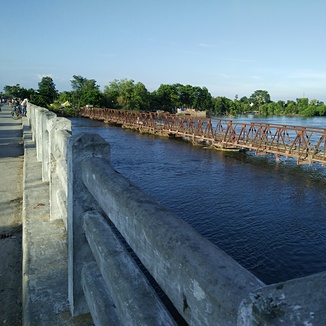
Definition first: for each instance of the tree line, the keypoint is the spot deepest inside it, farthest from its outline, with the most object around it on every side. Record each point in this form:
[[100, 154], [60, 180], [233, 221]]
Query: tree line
[[127, 95]]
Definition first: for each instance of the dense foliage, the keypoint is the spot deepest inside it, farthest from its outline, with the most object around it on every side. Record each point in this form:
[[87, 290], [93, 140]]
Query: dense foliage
[[128, 95]]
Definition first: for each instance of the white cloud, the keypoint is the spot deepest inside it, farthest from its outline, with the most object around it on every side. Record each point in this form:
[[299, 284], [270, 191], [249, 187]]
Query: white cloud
[[40, 76]]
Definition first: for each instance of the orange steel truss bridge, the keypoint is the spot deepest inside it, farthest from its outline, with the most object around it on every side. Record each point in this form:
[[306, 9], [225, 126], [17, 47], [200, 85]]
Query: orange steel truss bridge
[[305, 144]]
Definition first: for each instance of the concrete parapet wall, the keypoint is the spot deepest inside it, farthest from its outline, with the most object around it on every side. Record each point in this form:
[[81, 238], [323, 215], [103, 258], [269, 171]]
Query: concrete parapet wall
[[135, 301], [299, 301], [51, 135], [205, 285], [194, 273]]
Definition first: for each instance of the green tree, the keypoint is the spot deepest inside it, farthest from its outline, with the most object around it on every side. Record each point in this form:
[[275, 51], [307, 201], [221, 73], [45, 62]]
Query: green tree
[[202, 100], [85, 91], [167, 97], [140, 97], [239, 107], [39, 100], [258, 98], [91, 97], [47, 90], [279, 107], [302, 104], [112, 93], [16, 91], [321, 110], [222, 105], [244, 105], [65, 96], [290, 107], [314, 108], [79, 83], [125, 94], [187, 95]]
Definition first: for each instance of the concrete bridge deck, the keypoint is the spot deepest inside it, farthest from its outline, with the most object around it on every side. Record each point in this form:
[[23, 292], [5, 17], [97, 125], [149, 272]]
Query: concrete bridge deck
[[11, 172], [33, 250]]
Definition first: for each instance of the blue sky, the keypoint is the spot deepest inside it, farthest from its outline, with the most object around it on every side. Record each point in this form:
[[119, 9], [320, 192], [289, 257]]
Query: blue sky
[[232, 47]]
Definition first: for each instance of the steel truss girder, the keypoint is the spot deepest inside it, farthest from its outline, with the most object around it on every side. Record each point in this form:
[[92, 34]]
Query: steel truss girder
[[306, 144]]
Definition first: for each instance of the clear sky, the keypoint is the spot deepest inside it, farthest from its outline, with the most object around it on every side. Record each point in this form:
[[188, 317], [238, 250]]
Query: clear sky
[[232, 47]]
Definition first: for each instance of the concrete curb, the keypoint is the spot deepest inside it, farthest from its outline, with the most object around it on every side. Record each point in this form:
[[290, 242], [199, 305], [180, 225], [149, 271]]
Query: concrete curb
[[45, 276]]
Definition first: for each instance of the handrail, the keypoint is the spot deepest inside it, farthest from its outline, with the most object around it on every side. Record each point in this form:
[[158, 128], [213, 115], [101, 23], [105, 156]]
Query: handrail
[[51, 135], [192, 271]]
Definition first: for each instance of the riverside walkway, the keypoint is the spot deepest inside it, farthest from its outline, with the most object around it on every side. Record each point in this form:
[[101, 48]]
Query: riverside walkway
[[33, 250]]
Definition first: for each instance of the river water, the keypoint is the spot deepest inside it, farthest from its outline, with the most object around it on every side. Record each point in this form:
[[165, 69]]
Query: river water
[[269, 216]]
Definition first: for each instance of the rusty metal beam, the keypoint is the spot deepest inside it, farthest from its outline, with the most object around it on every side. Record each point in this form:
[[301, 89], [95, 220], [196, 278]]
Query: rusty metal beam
[[306, 144]]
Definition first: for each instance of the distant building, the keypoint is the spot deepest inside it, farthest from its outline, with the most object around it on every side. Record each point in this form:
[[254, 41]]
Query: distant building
[[191, 112]]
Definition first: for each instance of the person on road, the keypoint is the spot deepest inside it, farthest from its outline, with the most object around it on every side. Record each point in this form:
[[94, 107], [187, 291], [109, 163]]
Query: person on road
[[24, 106]]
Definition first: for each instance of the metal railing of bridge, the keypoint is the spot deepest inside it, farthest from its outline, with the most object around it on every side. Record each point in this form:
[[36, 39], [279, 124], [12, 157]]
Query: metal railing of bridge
[[305, 144]]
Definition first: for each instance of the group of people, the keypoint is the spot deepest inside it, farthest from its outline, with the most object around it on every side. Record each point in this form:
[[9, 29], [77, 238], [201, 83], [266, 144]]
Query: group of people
[[21, 105]]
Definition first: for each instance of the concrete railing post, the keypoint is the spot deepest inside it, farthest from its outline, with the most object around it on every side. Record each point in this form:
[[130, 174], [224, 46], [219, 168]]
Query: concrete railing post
[[80, 147], [38, 132], [31, 119], [28, 114], [299, 301], [47, 116], [59, 132]]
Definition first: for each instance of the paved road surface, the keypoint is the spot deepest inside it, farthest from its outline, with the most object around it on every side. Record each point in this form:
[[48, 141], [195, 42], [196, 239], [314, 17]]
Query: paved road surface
[[11, 174]]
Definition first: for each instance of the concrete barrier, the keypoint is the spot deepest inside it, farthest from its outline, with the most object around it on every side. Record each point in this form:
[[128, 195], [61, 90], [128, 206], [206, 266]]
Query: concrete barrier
[[51, 135], [104, 212]]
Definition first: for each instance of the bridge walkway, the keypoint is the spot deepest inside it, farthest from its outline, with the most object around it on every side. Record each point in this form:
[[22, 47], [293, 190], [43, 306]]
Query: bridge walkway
[[34, 277], [11, 173]]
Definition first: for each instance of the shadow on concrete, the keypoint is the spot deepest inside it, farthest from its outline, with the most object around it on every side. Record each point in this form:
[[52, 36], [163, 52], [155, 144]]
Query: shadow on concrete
[[11, 143], [11, 273], [9, 124]]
